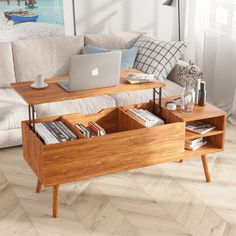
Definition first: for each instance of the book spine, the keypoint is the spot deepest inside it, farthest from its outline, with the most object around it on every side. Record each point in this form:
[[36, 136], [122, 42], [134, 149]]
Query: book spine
[[83, 130], [62, 131], [134, 113], [195, 141], [46, 135], [93, 128], [58, 132], [47, 126], [67, 130], [99, 128]]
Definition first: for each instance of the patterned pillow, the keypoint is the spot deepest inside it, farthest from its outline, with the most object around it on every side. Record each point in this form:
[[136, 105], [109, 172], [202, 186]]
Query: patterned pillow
[[158, 57]]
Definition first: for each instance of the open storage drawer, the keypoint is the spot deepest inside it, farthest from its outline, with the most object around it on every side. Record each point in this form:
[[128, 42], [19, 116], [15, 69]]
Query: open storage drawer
[[127, 145]]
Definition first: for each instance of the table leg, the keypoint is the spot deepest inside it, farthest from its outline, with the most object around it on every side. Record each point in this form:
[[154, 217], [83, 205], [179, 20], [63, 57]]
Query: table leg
[[38, 187], [31, 111], [160, 101], [55, 200], [154, 100], [206, 169]]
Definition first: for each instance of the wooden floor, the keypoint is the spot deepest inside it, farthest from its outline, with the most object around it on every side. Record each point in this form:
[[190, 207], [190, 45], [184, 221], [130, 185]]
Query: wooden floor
[[168, 199]]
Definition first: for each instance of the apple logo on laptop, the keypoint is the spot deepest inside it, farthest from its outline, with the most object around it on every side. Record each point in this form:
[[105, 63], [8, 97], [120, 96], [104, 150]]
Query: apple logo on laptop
[[95, 72]]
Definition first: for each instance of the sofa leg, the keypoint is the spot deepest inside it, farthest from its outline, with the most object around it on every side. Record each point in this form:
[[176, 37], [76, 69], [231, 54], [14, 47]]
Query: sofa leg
[[181, 160], [38, 187]]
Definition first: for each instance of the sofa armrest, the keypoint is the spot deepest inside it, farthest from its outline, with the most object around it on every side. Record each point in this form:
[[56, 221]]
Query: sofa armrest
[[185, 74]]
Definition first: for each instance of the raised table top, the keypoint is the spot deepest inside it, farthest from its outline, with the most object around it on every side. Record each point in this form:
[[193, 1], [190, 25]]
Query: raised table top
[[54, 93]]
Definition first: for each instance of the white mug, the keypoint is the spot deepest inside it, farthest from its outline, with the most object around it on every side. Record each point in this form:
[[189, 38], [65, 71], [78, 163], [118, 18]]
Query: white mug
[[39, 80]]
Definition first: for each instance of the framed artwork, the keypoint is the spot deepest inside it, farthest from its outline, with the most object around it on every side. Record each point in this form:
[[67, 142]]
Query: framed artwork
[[20, 19]]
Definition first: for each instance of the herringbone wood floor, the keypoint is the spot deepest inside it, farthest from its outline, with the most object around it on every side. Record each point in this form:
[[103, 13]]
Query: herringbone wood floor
[[167, 199]]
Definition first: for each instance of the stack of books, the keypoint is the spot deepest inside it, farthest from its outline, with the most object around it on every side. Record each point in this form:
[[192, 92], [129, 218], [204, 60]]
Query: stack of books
[[54, 132], [195, 144], [199, 127], [146, 116], [92, 130]]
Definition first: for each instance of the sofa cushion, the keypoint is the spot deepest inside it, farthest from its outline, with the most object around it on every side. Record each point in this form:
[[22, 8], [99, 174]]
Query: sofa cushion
[[7, 73], [113, 41], [10, 138], [12, 109], [142, 96], [158, 57], [49, 56], [84, 106], [127, 58]]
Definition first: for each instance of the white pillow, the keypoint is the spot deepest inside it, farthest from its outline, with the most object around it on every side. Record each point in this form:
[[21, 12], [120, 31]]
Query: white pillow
[[158, 57], [121, 40], [7, 72]]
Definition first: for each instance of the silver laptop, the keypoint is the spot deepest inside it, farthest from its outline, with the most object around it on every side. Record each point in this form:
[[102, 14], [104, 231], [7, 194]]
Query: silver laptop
[[89, 71]]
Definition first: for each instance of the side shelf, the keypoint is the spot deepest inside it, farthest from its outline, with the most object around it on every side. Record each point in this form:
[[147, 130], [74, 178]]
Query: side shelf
[[208, 114]]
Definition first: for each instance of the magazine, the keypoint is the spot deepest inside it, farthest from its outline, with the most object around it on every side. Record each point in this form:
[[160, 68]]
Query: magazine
[[199, 127]]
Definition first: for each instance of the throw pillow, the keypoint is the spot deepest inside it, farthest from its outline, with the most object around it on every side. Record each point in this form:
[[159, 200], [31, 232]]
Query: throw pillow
[[127, 58], [158, 57], [186, 74]]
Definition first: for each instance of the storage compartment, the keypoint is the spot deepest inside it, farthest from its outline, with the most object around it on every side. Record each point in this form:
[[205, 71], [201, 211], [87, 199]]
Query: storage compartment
[[111, 120], [127, 145]]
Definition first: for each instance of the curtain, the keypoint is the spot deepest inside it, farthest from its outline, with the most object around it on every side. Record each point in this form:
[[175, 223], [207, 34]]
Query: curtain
[[210, 27]]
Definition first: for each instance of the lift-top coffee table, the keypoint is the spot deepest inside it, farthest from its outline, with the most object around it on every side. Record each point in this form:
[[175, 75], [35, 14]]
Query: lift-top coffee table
[[127, 145]]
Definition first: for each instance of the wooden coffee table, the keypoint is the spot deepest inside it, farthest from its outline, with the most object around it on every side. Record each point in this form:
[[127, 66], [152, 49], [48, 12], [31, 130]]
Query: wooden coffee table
[[127, 145]]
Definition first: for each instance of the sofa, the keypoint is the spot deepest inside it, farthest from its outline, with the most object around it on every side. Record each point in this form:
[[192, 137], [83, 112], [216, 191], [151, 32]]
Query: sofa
[[23, 59]]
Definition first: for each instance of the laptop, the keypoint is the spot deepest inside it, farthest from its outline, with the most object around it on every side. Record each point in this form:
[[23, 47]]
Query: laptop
[[90, 71]]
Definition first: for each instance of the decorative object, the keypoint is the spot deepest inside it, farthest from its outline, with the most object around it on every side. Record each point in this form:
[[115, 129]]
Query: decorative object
[[158, 57], [202, 94], [39, 82], [171, 3], [31, 19], [196, 89], [188, 75], [187, 100], [171, 106]]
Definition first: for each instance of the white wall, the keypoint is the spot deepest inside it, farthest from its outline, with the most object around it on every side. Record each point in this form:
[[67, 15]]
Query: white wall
[[110, 16]]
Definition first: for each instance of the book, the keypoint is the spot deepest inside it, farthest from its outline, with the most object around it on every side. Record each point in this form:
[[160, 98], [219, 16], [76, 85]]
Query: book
[[96, 128], [92, 130], [196, 146], [45, 134], [194, 141], [55, 131], [66, 130], [199, 127], [58, 126], [146, 116], [83, 130]]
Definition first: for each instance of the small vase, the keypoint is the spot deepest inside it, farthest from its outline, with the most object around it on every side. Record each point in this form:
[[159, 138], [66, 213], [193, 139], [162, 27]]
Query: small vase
[[187, 100]]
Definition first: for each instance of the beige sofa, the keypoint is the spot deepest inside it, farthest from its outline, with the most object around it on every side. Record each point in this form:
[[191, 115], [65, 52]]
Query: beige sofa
[[22, 60]]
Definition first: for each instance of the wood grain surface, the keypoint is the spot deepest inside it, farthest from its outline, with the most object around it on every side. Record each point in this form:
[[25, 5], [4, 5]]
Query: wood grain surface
[[54, 93]]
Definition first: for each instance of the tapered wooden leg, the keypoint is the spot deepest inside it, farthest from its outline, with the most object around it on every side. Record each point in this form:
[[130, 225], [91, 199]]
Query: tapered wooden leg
[[55, 201], [205, 166], [38, 187]]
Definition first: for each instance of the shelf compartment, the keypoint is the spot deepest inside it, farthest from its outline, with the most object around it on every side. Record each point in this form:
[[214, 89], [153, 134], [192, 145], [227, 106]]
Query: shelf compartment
[[207, 149], [191, 135]]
